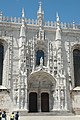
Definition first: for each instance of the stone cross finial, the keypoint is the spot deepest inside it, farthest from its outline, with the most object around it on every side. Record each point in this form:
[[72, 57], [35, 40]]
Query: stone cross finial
[[40, 7], [1, 16], [57, 17], [22, 12]]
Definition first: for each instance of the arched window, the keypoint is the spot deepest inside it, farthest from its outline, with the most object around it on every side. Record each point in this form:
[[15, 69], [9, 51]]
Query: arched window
[[1, 62], [76, 60], [39, 54]]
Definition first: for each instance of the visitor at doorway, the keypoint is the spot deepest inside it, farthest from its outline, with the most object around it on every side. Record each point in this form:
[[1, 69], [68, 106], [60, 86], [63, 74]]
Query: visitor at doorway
[[3, 115], [12, 116], [0, 114], [17, 115]]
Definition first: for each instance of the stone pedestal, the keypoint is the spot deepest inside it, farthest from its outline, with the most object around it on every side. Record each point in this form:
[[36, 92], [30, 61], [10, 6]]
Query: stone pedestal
[[22, 112], [6, 102], [76, 100]]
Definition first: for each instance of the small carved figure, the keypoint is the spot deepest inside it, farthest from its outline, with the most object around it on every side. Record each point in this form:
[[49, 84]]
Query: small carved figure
[[41, 61], [22, 99], [62, 99], [62, 94]]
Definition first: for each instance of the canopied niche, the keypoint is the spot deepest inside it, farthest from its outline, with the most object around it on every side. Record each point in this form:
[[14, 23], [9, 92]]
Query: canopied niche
[[41, 51], [39, 54]]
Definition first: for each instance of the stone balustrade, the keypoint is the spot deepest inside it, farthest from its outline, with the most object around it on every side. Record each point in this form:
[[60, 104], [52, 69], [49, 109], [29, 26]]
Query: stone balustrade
[[35, 22]]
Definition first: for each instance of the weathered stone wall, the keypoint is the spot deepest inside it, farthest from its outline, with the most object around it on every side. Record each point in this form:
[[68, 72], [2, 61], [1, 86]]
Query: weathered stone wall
[[76, 101], [69, 40], [6, 101]]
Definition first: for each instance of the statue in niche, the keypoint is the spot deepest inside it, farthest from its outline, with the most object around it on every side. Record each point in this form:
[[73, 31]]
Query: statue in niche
[[40, 33], [70, 84], [22, 99], [23, 73], [62, 94], [41, 62], [23, 70], [16, 97], [62, 99]]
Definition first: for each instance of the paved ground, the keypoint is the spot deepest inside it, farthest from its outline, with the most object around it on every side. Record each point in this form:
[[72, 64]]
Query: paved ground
[[77, 117], [48, 116]]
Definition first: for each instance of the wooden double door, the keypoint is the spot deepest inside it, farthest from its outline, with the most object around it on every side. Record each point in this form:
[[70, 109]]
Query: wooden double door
[[33, 100]]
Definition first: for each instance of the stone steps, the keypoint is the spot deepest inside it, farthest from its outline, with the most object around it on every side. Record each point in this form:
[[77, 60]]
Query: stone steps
[[55, 113], [49, 118], [52, 113]]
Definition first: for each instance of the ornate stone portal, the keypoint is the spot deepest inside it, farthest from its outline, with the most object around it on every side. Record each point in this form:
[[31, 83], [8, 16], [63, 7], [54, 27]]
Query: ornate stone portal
[[38, 65], [42, 82]]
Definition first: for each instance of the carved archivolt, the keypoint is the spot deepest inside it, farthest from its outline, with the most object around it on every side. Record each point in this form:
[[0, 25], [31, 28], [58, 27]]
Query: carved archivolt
[[76, 46], [42, 80], [41, 45]]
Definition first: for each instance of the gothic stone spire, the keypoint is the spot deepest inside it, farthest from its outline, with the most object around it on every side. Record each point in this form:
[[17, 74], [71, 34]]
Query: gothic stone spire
[[58, 30], [22, 30], [40, 15]]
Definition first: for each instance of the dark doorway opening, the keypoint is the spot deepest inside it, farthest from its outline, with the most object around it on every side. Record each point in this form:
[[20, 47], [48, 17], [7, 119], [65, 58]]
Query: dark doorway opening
[[44, 102], [33, 102], [76, 60], [1, 62]]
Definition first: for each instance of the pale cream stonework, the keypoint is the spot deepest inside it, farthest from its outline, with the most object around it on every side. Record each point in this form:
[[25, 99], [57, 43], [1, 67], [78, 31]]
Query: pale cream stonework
[[21, 39]]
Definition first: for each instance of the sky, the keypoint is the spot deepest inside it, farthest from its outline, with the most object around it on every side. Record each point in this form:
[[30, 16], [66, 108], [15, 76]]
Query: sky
[[68, 10]]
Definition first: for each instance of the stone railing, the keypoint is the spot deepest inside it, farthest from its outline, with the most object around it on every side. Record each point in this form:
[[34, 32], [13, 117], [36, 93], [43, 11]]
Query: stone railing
[[35, 22], [18, 20]]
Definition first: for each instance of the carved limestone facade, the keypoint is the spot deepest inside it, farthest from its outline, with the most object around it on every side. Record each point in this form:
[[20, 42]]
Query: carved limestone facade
[[38, 64]]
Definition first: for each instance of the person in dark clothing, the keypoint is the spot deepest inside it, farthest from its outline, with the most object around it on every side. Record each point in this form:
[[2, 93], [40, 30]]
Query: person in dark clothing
[[17, 115], [3, 115], [0, 114]]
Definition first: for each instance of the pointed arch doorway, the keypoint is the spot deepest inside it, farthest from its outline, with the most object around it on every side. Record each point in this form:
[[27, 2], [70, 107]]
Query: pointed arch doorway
[[44, 102]]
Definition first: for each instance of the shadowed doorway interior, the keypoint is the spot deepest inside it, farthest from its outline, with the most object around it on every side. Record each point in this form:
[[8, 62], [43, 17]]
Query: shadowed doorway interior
[[44, 102], [1, 62], [33, 102], [76, 59]]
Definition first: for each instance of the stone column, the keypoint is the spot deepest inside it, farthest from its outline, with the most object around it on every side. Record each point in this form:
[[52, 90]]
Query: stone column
[[65, 93], [39, 97], [5, 66], [66, 99], [48, 59], [33, 56], [59, 107], [26, 94], [39, 101], [19, 91], [26, 99]]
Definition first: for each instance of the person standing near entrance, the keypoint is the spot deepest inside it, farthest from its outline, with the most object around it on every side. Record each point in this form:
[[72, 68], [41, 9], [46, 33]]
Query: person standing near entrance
[[3, 115], [17, 115], [0, 114], [12, 116]]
